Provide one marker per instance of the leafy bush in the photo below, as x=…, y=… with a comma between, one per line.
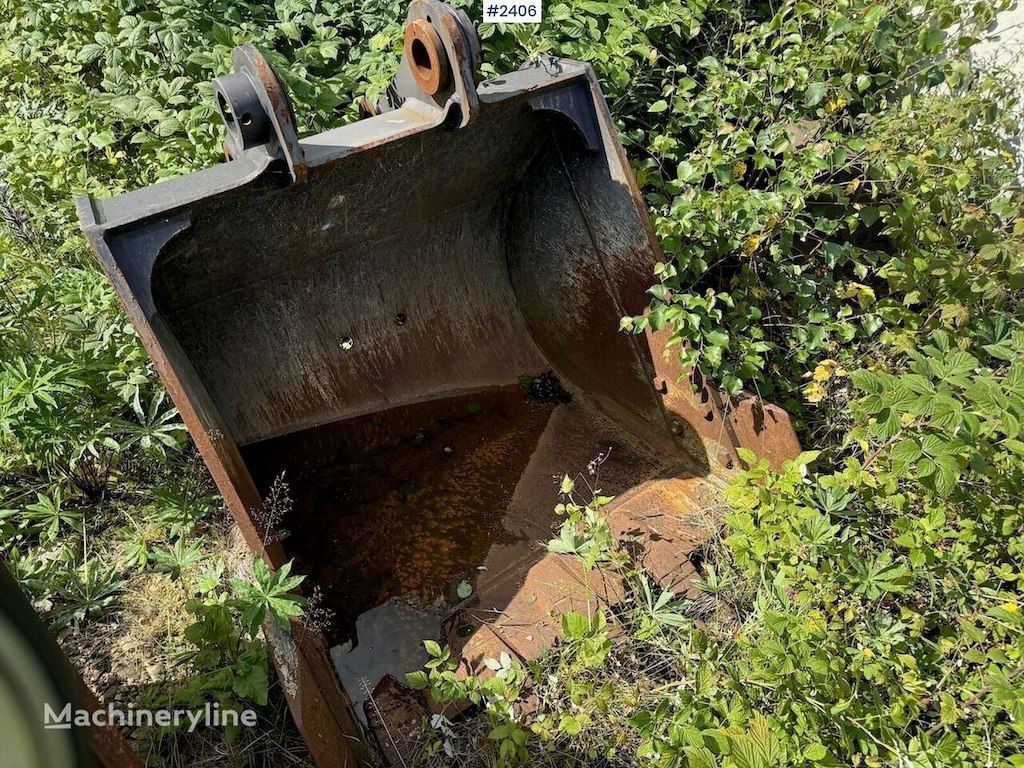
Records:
x=231, y=665
x=830, y=173
x=96, y=481
x=880, y=624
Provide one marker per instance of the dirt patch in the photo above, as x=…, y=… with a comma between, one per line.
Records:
x=137, y=646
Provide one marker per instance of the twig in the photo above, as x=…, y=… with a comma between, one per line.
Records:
x=383, y=721
x=983, y=691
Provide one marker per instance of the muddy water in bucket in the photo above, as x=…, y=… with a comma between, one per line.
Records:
x=404, y=503
x=392, y=511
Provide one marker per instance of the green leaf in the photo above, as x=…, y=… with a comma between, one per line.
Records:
x=931, y=38
x=947, y=473
x=815, y=752
x=718, y=338
x=433, y=648
x=814, y=94
x=571, y=725
x=765, y=740
x=417, y=680
x=873, y=15
x=906, y=452
x=699, y=757
x=747, y=456
x=745, y=753
x=253, y=684
x=222, y=34
x=575, y=625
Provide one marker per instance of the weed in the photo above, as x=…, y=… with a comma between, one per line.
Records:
x=178, y=557
x=276, y=508
x=88, y=591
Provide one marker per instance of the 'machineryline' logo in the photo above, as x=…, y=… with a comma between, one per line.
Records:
x=210, y=716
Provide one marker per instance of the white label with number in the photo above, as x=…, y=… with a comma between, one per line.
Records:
x=512, y=11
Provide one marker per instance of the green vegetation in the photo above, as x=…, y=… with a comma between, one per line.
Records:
x=841, y=213
x=100, y=495
x=231, y=665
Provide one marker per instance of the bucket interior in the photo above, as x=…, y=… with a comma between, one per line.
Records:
x=430, y=520
x=440, y=264
x=410, y=502
x=421, y=341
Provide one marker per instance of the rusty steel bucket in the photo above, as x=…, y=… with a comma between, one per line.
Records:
x=413, y=320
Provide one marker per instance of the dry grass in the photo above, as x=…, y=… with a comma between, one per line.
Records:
x=273, y=743
x=134, y=648
x=138, y=655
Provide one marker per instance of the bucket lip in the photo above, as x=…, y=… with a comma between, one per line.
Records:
x=101, y=215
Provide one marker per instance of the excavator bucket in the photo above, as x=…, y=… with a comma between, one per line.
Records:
x=390, y=341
